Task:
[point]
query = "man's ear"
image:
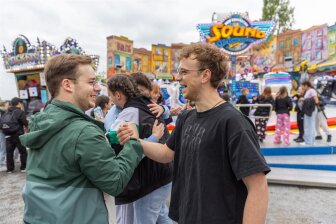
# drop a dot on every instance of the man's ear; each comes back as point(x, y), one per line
point(67, 85)
point(206, 76)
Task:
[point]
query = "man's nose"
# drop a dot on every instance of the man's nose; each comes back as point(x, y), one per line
point(97, 87)
point(178, 77)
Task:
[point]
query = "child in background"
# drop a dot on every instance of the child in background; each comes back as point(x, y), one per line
point(298, 99)
point(264, 112)
point(282, 106)
point(242, 99)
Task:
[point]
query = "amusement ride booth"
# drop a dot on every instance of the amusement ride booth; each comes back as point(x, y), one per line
point(27, 62)
point(235, 34)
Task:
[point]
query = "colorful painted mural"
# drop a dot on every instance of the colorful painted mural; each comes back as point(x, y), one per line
point(332, 42)
point(236, 34)
point(161, 58)
point(25, 56)
point(175, 52)
point(119, 55)
point(141, 60)
point(264, 55)
point(288, 50)
point(314, 44)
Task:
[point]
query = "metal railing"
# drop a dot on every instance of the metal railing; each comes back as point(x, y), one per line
point(255, 106)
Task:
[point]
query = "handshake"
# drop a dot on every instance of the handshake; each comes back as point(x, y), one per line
point(128, 130)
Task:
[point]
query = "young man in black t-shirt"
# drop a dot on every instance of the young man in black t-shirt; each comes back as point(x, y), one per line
point(219, 173)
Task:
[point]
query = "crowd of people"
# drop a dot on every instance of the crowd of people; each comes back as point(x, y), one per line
point(111, 159)
point(309, 106)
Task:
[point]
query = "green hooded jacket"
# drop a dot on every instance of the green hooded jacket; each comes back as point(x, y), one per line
point(70, 163)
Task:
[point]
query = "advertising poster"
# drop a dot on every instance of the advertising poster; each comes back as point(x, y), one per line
point(44, 96)
point(23, 94)
point(33, 91)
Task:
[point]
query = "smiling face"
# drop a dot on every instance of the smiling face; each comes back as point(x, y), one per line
point(155, 95)
point(86, 88)
point(189, 77)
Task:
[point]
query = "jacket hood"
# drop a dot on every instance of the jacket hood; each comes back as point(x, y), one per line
point(10, 109)
point(140, 102)
point(56, 116)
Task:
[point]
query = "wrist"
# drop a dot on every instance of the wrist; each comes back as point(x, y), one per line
point(134, 139)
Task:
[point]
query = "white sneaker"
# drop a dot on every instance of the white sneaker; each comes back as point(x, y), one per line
point(23, 171)
point(305, 144)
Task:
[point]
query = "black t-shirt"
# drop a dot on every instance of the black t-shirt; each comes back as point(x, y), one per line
point(214, 150)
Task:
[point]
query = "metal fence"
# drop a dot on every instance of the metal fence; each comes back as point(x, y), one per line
point(256, 106)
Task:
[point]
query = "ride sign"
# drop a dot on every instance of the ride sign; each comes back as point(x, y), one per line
point(236, 34)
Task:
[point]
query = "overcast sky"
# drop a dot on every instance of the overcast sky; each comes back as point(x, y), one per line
point(143, 21)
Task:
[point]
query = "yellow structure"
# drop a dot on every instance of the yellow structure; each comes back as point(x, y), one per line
point(142, 60)
point(161, 59)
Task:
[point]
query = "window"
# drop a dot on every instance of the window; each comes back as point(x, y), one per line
point(332, 38)
point(157, 66)
point(318, 55)
point(281, 45)
point(128, 63)
point(307, 56)
point(296, 42)
point(158, 51)
point(308, 44)
point(288, 44)
point(116, 59)
point(288, 54)
point(318, 43)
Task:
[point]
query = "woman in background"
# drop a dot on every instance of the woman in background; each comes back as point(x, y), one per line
point(261, 123)
point(242, 99)
point(282, 106)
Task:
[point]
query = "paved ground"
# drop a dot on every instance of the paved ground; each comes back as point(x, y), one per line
point(288, 204)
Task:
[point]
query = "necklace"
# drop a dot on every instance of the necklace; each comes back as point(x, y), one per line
point(217, 104)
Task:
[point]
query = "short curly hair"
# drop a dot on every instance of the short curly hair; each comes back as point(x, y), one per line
point(209, 57)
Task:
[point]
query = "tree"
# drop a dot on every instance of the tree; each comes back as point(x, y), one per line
point(280, 12)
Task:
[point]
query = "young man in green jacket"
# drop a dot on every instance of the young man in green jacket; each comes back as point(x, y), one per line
point(70, 162)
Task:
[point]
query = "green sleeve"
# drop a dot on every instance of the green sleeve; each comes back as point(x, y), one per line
point(99, 163)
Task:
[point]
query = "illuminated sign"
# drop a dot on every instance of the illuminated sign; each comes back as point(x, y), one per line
point(236, 34)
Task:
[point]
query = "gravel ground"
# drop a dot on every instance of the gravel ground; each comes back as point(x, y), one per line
point(288, 204)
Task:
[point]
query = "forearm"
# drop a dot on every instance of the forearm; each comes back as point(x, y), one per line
point(256, 204)
point(166, 112)
point(157, 152)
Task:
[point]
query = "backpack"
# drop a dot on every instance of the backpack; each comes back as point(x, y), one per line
point(9, 124)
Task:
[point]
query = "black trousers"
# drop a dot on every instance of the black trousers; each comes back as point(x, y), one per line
point(299, 120)
point(13, 142)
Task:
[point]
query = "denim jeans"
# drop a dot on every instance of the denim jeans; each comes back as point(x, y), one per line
point(2, 149)
point(309, 128)
point(152, 208)
point(321, 120)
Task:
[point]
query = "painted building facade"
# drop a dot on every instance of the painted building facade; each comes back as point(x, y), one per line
point(264, 56)
point(175, 52)
point(142, 60)
point(119, 55)
point(288, 50)
point(331, 42)
point(27, 61)
point(314, 44)
point(161, 58)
